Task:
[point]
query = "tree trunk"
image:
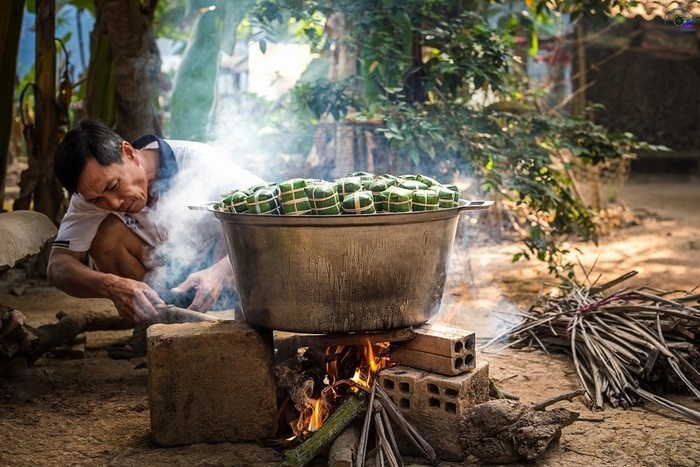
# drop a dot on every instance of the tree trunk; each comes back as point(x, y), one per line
point(10, 30)
point(100, 86)
point(136, 65)
point(48, 194)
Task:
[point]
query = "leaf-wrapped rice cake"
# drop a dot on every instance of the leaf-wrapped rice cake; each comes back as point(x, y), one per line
point(447, 198)
point(264, 201)
point(376, 187)
point(425, 200)
point(412, 185)
point(397, 199)
point(293, 197)
point(451, 186)
point(366, 178)
point(359, 202)
point(323, 198)
point(429, 181)
point(347, 185)
point(235, 201)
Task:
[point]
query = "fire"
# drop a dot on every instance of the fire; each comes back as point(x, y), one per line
point(316, 416)
point(368, 365)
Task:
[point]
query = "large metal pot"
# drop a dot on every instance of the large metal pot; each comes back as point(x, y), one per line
point(340, 274)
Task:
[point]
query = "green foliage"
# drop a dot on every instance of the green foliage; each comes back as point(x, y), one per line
point(423, 62)
point(523, 160)
point(325, 97)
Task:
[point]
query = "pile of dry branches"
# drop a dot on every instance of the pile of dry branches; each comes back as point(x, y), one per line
point(626, 346)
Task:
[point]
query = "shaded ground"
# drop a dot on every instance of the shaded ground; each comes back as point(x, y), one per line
point(94, 411)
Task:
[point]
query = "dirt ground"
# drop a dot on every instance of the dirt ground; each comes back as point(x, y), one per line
point(94, 411)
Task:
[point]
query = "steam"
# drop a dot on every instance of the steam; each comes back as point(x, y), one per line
point(194, 237)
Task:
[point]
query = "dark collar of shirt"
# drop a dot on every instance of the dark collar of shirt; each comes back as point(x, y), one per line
point(167, 165)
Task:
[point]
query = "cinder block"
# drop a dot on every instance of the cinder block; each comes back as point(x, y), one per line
point(437, 348)
point(210, 382)
point(436, 404)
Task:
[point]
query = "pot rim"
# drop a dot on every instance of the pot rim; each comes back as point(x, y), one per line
point(380, 218)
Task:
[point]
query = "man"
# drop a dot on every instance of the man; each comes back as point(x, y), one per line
point(128, 212)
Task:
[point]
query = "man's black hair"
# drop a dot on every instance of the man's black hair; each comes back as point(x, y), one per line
point(93, 139)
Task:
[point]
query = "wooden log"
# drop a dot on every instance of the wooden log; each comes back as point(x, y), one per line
point(173, 314)
point(287, 344)
point(349, 411)
point(96, 320)
point(18, 339)
point(344, 449)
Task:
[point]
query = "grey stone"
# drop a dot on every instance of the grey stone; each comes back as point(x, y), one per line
point(210, 382)
point(23, 234)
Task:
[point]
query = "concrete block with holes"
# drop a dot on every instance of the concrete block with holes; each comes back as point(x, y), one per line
point(437, 348)
point(210, 382)
point(435, 403)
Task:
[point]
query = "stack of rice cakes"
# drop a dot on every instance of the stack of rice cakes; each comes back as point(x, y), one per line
point(356, 193)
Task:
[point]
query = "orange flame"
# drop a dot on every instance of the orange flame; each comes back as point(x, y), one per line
point(316, 411)
point(316, 419)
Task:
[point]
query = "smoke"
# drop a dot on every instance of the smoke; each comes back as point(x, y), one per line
point(193, 238)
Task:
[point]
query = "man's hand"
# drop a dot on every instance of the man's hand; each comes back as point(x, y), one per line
point(207, 284)
point(134, 300)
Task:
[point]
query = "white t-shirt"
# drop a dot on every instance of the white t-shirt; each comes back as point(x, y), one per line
point(204, 173)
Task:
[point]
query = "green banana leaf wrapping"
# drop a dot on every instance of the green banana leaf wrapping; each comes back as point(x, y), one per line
point(427, 180)
point(293, 197)
point(324, 199)
point(376, 187)
point(425, 200)
point(347, 185)
point(451, 186)
point(446, 197)
point(412, 185)
point(359, 202)
point(366, 178)
point(235, 202)
point(261, 186)
point(264, 201)
point(409, 177)
point(397, 199)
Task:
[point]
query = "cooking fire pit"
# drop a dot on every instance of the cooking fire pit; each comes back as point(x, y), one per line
point(344, 273)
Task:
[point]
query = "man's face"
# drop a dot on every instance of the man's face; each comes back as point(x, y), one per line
point(116, 187)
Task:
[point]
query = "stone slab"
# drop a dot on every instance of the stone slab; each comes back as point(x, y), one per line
point(23, 234)
point(210, 382)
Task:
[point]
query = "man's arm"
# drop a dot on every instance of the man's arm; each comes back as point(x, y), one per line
point(208, 284)
point(133, 299)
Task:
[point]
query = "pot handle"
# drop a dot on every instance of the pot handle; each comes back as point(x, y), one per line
point(206, 206)
point(475, 205)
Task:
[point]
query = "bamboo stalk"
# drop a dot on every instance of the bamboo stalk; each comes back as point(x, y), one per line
point(336, 423)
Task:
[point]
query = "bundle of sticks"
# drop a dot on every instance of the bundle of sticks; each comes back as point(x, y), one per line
point(625, 344)
point(376, 408)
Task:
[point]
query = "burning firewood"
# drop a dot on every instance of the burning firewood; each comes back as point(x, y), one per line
point(336, 423)
point(623, 345)
point(381, 416)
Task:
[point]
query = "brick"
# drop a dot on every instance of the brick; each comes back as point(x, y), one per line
point(210, 382)
point(434, 363)
point(435, 404)
point(440, 349)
